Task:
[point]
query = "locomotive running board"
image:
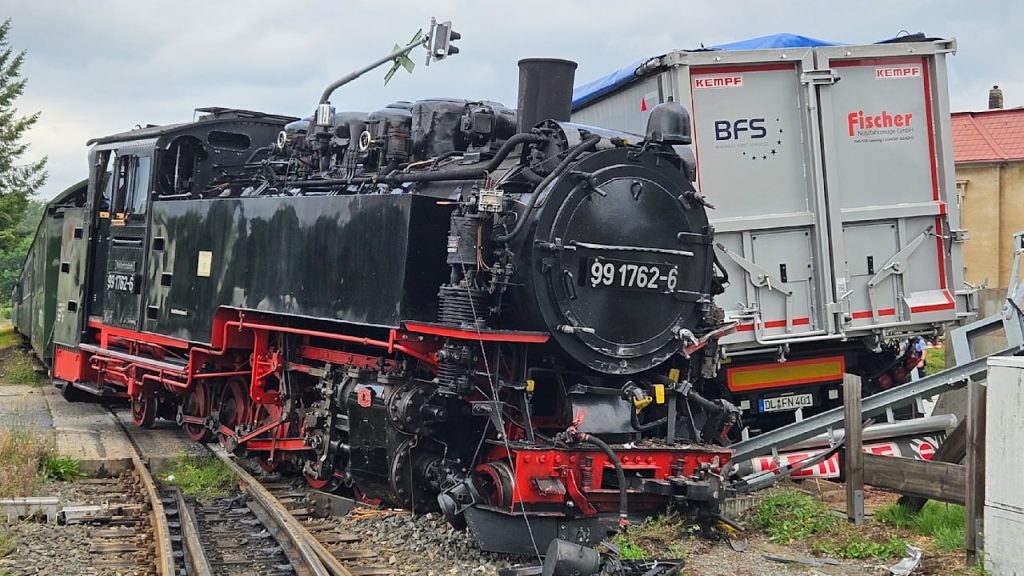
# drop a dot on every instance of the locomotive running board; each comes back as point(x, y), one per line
point(150, 362)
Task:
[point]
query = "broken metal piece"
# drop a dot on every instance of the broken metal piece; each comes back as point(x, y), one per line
point(17, 508)
point(909, 563)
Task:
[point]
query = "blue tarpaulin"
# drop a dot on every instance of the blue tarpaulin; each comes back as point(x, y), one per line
point(605, 84)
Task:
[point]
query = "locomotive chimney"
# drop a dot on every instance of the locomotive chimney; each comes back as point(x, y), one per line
point(995, 98)
point(545, 90)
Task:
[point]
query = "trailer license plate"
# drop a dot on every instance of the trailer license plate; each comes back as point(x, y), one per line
point(607, 273)
point(781, 403)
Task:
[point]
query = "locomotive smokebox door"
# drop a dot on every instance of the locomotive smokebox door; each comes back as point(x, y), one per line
point(628, 261)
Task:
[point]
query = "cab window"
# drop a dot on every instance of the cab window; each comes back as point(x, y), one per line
point(140, 184)
point(131, 184)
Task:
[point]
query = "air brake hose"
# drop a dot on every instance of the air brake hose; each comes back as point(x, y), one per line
point(620, 474)
point(571, 157)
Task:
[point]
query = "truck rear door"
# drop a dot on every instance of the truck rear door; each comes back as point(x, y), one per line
point(888, 170)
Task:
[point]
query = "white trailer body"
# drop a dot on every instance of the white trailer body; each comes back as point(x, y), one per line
point(831, 172)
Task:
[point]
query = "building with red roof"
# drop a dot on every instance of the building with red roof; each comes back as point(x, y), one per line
point(988, 148)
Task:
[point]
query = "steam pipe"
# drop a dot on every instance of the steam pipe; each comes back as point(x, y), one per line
point(464, 173)
point(573, 154)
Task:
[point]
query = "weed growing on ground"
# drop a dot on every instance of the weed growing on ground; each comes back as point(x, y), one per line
point(60, 469)
point(852, 545)
point(663, 536)
point(7, 336)
point(944, 523)
point(198, 475)
point(791, 516)
point(934, 360)
point(627, 549)
point(6, 544)
point(21, 453)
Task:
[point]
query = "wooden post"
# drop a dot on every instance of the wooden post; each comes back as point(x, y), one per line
point(854, 449)
point(974, 510)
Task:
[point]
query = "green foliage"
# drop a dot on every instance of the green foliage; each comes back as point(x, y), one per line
point(934, 360)
point(22, 451)
point(944, 523)
point(198, 475)
point(8, 338)
point(854, 546)
point(661, 536)
point(18, 180)
point(60, 469)
point(6, 544)
point(627, 549)
point(792, 515)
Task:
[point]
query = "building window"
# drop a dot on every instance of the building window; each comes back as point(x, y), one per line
point(961, 191)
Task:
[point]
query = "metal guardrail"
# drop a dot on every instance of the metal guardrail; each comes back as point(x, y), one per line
point(895, 397)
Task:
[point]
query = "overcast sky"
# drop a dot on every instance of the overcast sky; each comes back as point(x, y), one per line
point(103, 66)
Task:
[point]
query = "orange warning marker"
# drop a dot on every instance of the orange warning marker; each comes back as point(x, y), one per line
point(643, 104)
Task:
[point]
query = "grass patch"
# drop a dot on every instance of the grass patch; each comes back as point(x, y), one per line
point(59, 468)
point(663, 536)
point(943, 523)
point(198, 475)
point(792, 516)
point(19, 368)
point(7, 336)
point(6, 544)
point(21, 455)
point(934, 360)
point(854, 546)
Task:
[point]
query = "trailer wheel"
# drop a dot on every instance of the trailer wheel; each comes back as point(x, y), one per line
point(143, 410)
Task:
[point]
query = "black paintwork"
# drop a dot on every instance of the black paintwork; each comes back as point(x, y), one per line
point(366, 259)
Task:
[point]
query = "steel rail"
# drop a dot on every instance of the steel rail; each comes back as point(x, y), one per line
point(320, 560)
point(162, 536)
point(200, 564)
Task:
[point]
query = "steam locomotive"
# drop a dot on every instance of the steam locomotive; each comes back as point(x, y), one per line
point(444, 304)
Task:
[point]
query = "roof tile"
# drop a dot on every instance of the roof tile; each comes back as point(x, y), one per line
point(989, 135)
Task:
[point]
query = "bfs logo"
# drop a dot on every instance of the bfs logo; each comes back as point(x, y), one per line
point(735, 129)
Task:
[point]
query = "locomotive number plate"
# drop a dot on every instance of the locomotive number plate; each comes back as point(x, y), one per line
point(621, 274)
point(122, 283)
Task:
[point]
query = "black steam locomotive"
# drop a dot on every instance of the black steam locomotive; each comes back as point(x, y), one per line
point(444, 303)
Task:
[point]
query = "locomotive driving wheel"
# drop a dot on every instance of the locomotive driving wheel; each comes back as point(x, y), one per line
point(197, 405)
point(234, 405)
point(143, 409)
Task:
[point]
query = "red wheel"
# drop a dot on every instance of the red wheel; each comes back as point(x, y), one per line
point(234, 404)
point(197, 405)
point(143, 409)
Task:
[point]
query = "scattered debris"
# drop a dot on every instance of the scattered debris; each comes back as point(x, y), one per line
point(812, 562)
point(908, 564)
point(17, 508)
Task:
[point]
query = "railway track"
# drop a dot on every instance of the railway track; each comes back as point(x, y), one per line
point(250, 531)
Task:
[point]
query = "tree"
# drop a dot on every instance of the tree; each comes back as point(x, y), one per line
point(18, 181)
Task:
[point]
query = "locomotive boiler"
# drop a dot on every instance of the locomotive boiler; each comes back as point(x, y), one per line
point(441, 304)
